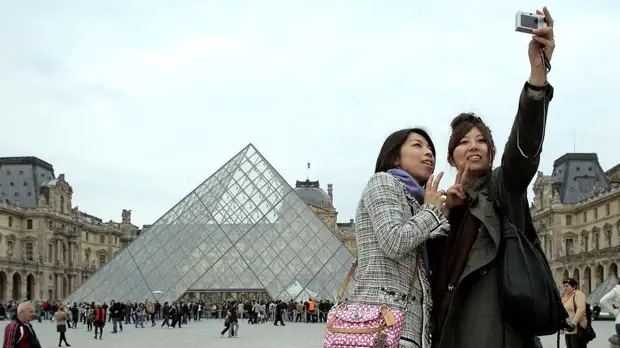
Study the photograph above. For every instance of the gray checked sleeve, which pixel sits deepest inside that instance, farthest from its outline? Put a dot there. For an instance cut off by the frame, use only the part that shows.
(397, 231)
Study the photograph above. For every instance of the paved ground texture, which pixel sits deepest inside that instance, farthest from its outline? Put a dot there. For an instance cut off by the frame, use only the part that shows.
(206, 332)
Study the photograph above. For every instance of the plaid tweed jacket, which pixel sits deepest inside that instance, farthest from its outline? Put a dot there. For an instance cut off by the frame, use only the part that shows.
(391, 228)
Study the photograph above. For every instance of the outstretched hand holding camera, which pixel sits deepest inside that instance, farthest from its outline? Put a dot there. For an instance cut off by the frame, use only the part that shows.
(542, 42)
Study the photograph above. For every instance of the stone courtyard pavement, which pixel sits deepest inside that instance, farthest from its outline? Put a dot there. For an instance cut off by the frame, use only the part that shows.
(206, 333)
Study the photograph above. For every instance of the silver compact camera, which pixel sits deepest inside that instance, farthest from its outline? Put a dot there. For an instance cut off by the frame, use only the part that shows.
(526, 22)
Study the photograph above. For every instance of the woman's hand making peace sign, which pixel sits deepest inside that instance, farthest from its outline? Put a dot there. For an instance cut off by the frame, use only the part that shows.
(456, 196)
(433, 195)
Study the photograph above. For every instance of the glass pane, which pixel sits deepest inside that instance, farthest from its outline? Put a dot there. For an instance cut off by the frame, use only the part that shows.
(276, 266)
(315, 288)
(249, 280)
(258, 266)
(205, 281)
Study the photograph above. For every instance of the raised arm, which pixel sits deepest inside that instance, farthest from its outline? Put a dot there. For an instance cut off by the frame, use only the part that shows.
(397, 232)
(522, 152)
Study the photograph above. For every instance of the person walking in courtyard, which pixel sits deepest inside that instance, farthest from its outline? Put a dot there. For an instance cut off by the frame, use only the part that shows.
(99, 323)
(61, 325)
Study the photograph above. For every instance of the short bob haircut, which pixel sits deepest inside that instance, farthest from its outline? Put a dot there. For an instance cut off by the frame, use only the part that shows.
(390, 151)
(571, 281)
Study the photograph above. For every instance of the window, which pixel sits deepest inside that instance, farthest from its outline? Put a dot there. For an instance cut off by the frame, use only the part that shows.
(11, 221)
(607, 209)
(29, 224)
(569, 246)
(569, 220)
(51, 225)
(102, 260)
(586, 243)
(109, 239)
(102, 239)
(585, 217)
(29, 251)
(87, 236)
(595, 213)
(595, 239)
(50, 253)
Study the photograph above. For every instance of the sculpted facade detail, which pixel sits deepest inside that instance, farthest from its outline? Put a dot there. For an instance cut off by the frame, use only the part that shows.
(588, 249)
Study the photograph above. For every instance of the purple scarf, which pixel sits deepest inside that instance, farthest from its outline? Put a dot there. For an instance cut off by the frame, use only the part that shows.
(411, 185)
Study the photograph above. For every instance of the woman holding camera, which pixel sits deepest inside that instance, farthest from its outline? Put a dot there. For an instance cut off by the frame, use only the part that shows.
(62, 318)
(467, 312)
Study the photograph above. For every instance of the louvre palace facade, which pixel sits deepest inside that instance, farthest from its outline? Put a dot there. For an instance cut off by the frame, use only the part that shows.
(47, 246)
(576, 211)
(244, 230)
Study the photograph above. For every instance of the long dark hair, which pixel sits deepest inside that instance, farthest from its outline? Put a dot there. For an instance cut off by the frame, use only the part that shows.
(390, 151)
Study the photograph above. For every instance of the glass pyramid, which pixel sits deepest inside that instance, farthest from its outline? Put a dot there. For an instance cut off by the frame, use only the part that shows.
(243, 228)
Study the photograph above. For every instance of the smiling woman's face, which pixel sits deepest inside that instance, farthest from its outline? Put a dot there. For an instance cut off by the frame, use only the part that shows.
(416, 157)
(473, 149)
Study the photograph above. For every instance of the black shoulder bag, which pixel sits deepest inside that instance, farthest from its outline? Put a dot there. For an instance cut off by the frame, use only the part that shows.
(530, 299)
(588, 334)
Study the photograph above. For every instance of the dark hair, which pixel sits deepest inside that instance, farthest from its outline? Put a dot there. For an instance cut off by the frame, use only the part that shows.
(571, 281)
(390, 151)
(461, 125)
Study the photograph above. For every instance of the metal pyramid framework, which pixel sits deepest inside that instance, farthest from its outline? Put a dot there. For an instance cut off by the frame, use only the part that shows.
(243, 228)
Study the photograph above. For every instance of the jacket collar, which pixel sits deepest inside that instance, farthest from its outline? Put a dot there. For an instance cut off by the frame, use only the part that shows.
(482, 206)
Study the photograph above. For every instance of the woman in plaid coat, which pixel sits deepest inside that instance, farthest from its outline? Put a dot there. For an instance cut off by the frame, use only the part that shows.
(400, 209)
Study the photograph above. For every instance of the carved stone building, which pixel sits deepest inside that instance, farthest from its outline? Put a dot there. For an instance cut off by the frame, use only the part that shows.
(48, 247)
(322, 203)
(576, 211)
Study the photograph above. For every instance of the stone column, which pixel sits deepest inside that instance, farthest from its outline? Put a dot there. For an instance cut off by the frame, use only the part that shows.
(73, 249)
(9, 287)
(56, 286)
(25, 285)
(40, 282)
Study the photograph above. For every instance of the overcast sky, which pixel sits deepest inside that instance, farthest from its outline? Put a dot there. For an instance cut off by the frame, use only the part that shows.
(139, 101)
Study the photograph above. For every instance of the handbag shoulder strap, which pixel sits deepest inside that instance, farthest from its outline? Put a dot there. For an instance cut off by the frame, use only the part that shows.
(347, 280)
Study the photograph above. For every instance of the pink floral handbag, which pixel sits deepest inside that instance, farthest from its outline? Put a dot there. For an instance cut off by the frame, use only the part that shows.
(363, 325)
